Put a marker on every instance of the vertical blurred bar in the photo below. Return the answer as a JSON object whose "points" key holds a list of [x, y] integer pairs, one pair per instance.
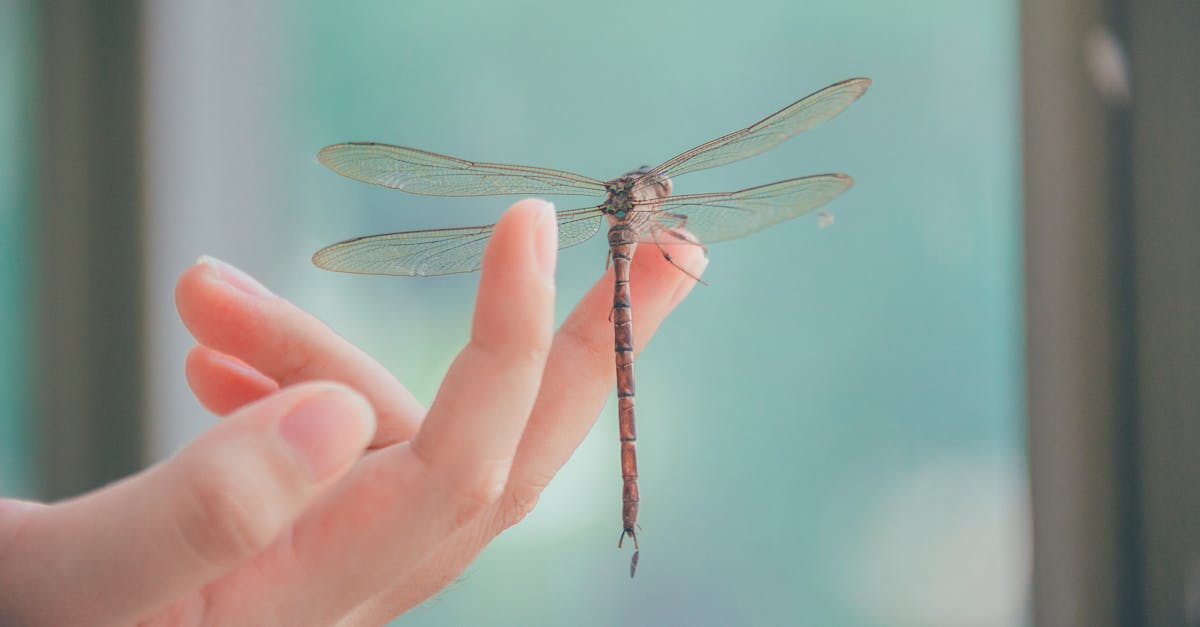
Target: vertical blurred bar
{"points": [[16, 111], [219, 162], [1164, 44], [1113, 275], [1078, 327], [90, 335]]}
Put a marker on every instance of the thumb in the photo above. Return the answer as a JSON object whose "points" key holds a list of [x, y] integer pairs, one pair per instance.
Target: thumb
{"points": [[136, 546]]}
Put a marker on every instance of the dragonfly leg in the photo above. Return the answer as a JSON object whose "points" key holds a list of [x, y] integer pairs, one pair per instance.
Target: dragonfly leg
{"points": [[683, 236], [607, 263], [666, 255]]}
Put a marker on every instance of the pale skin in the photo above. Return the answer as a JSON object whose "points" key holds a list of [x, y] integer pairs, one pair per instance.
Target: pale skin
{"points": [[328, 494]]}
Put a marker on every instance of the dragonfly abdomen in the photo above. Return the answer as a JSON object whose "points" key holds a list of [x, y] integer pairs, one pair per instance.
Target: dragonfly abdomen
{"points": [[622, 239]]}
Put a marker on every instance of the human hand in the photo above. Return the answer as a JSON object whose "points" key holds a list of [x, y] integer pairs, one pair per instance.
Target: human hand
{"points": [[328, 495]]}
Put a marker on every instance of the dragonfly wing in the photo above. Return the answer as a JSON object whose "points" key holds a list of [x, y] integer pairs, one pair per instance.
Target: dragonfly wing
{"points": [[420, 172], [768, 132], [438, 251], [717, 217]]}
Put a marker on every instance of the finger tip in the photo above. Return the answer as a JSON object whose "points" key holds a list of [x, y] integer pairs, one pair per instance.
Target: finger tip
{"points": [[223, 383], [359, 413], [691, 257], [188, 282], [526, 213], [344, 392], [195, 362], [216, 311], [198, 352], [525, 244], [198, 288], [328, 425], [533, 204]]}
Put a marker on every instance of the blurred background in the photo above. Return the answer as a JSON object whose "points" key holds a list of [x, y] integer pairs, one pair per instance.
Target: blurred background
{"points": [[971, 401]]}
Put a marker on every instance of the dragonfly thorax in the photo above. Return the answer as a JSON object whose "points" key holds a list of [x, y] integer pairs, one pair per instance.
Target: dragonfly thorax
{"points": [[628, 191]]}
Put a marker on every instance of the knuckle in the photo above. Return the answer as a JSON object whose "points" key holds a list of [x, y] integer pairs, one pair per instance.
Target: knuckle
{"points": [[223, 521], [295, 362], [515, 349], [537, 351], [480, 492], [594, 347], [518, 504], [485, 488]]}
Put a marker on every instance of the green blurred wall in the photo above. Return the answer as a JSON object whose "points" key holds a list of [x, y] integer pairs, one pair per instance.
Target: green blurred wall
{"points": [[16, 236]]}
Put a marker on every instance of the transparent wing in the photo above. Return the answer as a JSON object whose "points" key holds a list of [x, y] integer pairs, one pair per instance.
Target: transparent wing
{"points": [[420, 172], [768, 132], [718, 217], [438, 251]]}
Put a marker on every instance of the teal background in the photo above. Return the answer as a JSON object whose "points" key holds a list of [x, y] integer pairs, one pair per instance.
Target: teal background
{"points": [[830, 434], [16, 248]]}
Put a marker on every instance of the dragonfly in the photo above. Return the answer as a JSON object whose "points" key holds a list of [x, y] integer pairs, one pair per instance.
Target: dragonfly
{"points": [[637, 206]]}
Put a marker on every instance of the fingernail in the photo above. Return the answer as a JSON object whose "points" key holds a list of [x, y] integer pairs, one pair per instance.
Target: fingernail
{"points": [[328, 429], [234, 276], [231, 363], [546, 236]]}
